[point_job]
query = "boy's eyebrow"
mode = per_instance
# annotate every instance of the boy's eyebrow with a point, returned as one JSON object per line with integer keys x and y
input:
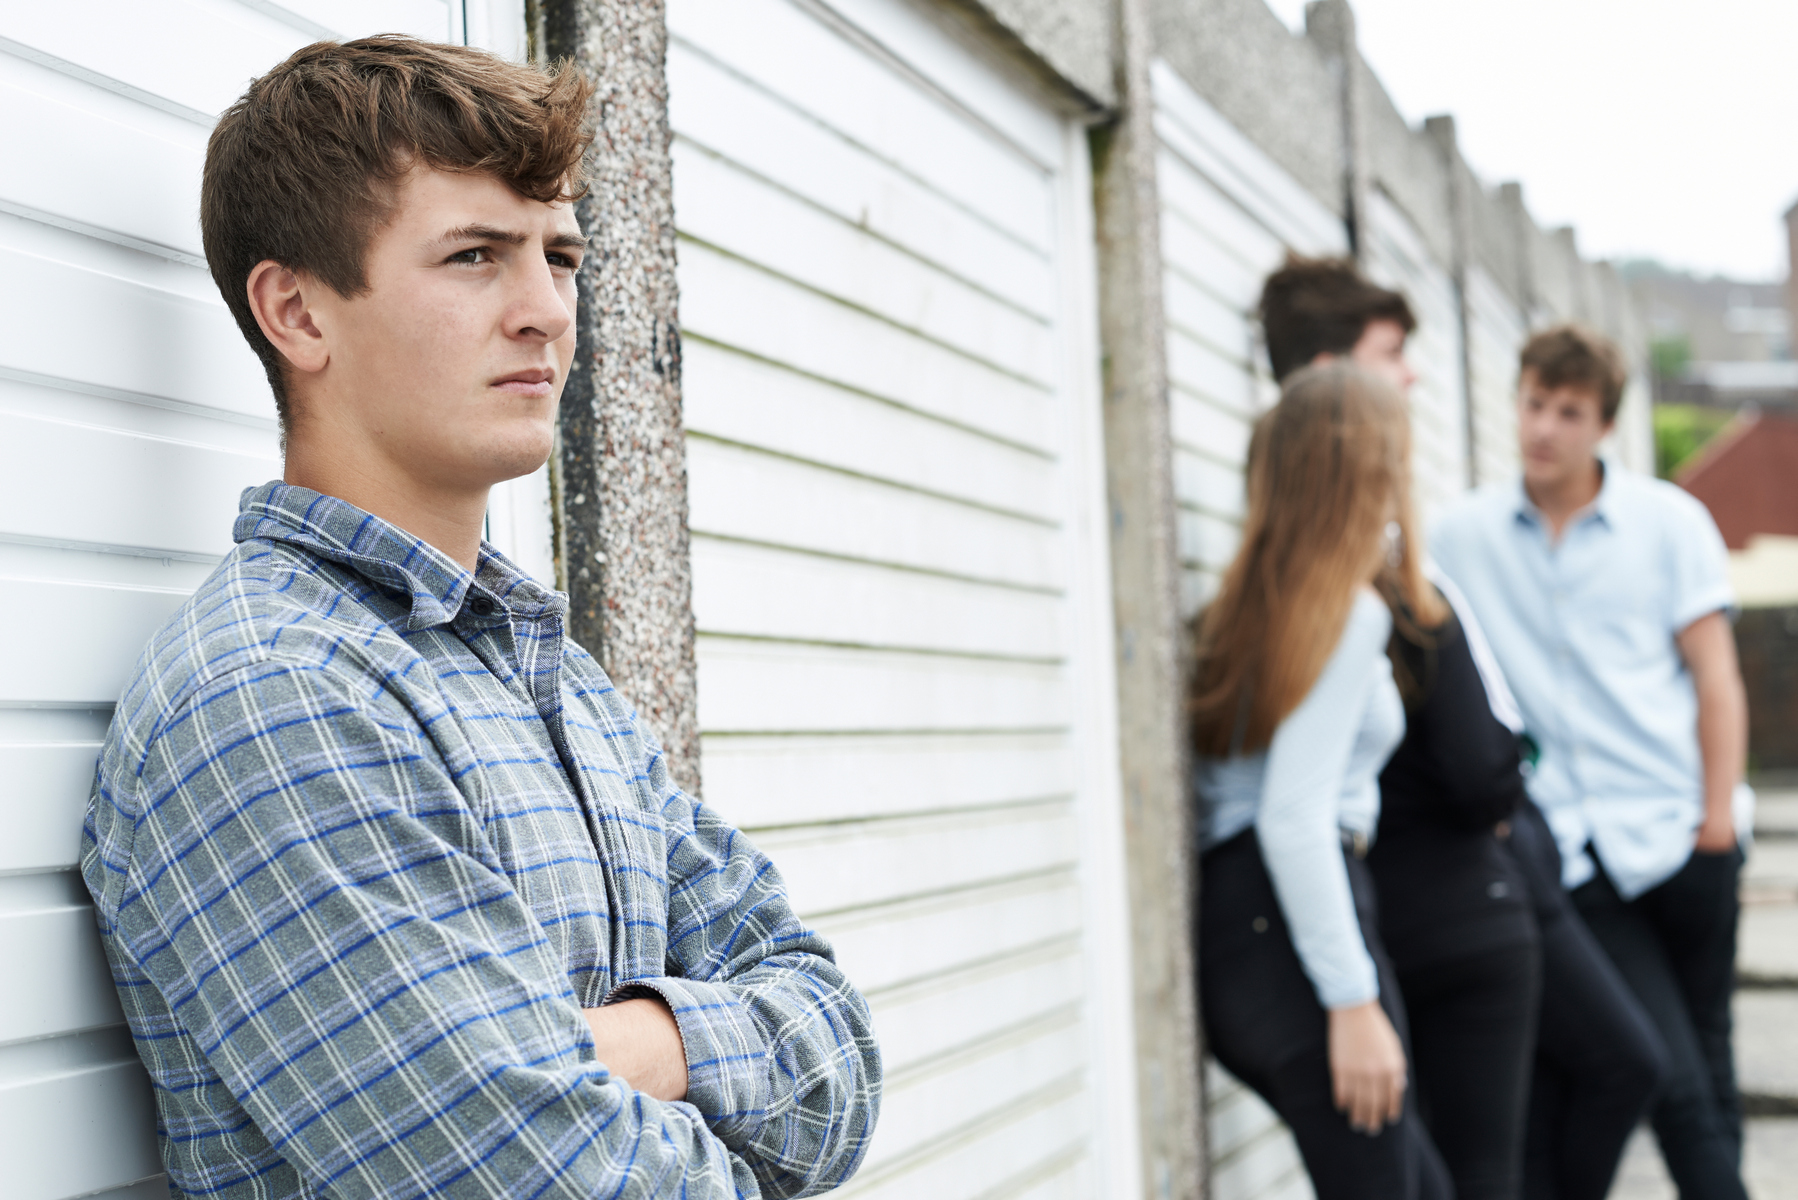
{"x": 509, "y": 237}
{"x": 485, "y": 233}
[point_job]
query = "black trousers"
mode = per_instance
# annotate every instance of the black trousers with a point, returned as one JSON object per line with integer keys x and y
{"x": 1675, "y": 945}
{"x": 1262, "y": 1021}
{"x": 1473, "y": 1026}
{"x": 1598, "y": 1057}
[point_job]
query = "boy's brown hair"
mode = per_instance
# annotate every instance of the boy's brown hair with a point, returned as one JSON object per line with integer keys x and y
{"x": 1314, "y": 306}
{"x": 1573, "y": 355}
{"x": 303, "y": 169}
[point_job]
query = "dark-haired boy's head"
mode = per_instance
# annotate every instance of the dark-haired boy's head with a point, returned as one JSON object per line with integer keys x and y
{"x": 309, "y": 164}
{"x": 1316, "y": 309}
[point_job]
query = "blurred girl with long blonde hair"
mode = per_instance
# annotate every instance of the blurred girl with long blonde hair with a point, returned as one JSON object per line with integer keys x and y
{"x": 1293, "y": 712}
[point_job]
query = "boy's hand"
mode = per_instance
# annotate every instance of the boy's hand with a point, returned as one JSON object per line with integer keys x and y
{"x": 1717, "y": 835}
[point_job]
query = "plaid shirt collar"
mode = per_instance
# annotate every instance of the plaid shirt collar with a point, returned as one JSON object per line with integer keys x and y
{"x": 439, "y": 590}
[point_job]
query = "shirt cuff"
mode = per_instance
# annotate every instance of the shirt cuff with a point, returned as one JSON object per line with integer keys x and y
{"x": 727, "y": 1056}
{"x": 1360, "y": 986}
{"x": 1714, "y": 599}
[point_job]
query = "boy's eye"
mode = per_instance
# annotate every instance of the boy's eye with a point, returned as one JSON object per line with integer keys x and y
{"x": 478, "y": 254}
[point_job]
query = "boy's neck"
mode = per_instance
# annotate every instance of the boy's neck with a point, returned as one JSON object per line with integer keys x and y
{"x": 1559, "y": 500}
{"x": 450, "y": 520}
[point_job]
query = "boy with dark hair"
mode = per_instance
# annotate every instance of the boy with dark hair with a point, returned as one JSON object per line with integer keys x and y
{"x": 1606, "y": 597}
{"x": 1320, "y": 309}
{"x": 398, "y": 896}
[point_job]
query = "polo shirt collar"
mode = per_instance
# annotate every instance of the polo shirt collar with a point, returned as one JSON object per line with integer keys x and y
{"x": 436, "y": 586}
{"x": 1603, "y": 506}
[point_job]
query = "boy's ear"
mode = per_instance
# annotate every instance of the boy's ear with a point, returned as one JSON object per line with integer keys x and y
{"x": 280, "y": 298}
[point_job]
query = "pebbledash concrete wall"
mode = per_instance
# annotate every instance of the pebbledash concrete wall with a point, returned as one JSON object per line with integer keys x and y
{"x": 1282, "y": 92}
{"x": 1309, "y": 102}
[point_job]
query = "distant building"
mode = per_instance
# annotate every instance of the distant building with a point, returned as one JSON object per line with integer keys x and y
{"x": 1748, "y": 478}
{"x": 1720, "y": 342}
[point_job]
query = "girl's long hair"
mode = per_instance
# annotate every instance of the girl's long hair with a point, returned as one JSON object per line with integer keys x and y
{"x": 1329, "y": 469}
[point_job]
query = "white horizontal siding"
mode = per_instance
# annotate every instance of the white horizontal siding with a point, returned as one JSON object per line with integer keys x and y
{"x": 798, "y": 779}
{"x": 1395, "y": 256}
{"x": 1496, "y": 334}
{"x": 886, "y": 510}
{"x": 126, "y": 437}
{"x": 1230, "y": 215}
{"x": 1253, "y": 1157}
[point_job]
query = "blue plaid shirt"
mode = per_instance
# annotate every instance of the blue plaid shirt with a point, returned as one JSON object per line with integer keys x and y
{"x": 368, "y": 833}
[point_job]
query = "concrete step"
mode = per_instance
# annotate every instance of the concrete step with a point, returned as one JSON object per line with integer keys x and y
{"x": 1766, "y": 1040}
{"x": 1768, "y": 948}
{"x": 1767, "y": 944}
{"x": 1776, "y": 812}
{"x": 1766, "y": 1014}
{"x": 1769, "y": 1163}
{"x": 1771, "y": 874}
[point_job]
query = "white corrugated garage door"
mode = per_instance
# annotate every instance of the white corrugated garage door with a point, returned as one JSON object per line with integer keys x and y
{"x": 900, "y": 582}
{"x": 131, "y": 415}
{"x": 1229, "y": 215}
{"x": 1395, "y": 256}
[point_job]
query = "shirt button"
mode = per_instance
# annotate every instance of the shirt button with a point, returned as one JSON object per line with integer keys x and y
{"x": 1259, "y": 924}
{"x": 480, "y": 606}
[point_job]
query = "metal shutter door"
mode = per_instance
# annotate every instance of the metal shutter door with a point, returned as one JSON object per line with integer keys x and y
{"x": 1396, "y": 257}
{"x": 896, "y": 493}
{"x": 131, "y": 415}
{"x": 1229, "y": 215}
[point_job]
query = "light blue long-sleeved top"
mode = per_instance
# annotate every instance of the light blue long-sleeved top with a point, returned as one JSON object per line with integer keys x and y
{"x": 1319, "y": 776}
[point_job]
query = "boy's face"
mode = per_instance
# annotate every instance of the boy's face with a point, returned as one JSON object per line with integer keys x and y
{"x": 1381, "y": 351}
{"x": 1558, "y": 430}
{"x": 449, "y": 367}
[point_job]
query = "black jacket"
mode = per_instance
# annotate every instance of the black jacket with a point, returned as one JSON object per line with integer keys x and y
{"x": 1446, "y": 886}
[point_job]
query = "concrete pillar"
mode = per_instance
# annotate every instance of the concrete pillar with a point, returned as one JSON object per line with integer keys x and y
{"x": 1149, "y": 647}
{"x": 1441, "y": 132}
{"x": 1579, "y": 296}
{"x": 622, "y": 470}
{"x": 1523, "y": 230}
{"x": 1330, "y": 24}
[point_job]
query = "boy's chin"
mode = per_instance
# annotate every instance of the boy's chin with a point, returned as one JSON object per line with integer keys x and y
{"x": 511, "y": 454}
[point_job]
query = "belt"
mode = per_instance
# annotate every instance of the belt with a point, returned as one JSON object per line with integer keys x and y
{"x": 1354, "y": 842}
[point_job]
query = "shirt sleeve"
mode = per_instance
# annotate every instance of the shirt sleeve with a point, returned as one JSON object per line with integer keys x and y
{"x": 1297, "y": 825}
{"x": 781, "y": 1054}
{"x": 1699, "y": 567}
{"x": 320, "y": 909}
{"x": 1499, "y": 696}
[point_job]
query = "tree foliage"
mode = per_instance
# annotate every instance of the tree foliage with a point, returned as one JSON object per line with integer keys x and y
{"x": 1681, "y": 430}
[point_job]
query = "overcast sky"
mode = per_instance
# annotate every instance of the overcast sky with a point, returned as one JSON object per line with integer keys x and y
{"x": 1657, "y": 128}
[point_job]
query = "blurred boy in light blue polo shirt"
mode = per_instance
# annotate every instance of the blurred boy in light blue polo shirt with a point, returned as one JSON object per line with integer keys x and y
{"x": 1606, "y": 600}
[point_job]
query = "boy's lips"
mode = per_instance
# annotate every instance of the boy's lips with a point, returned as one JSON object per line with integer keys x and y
{"x": 535, "y": 382}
